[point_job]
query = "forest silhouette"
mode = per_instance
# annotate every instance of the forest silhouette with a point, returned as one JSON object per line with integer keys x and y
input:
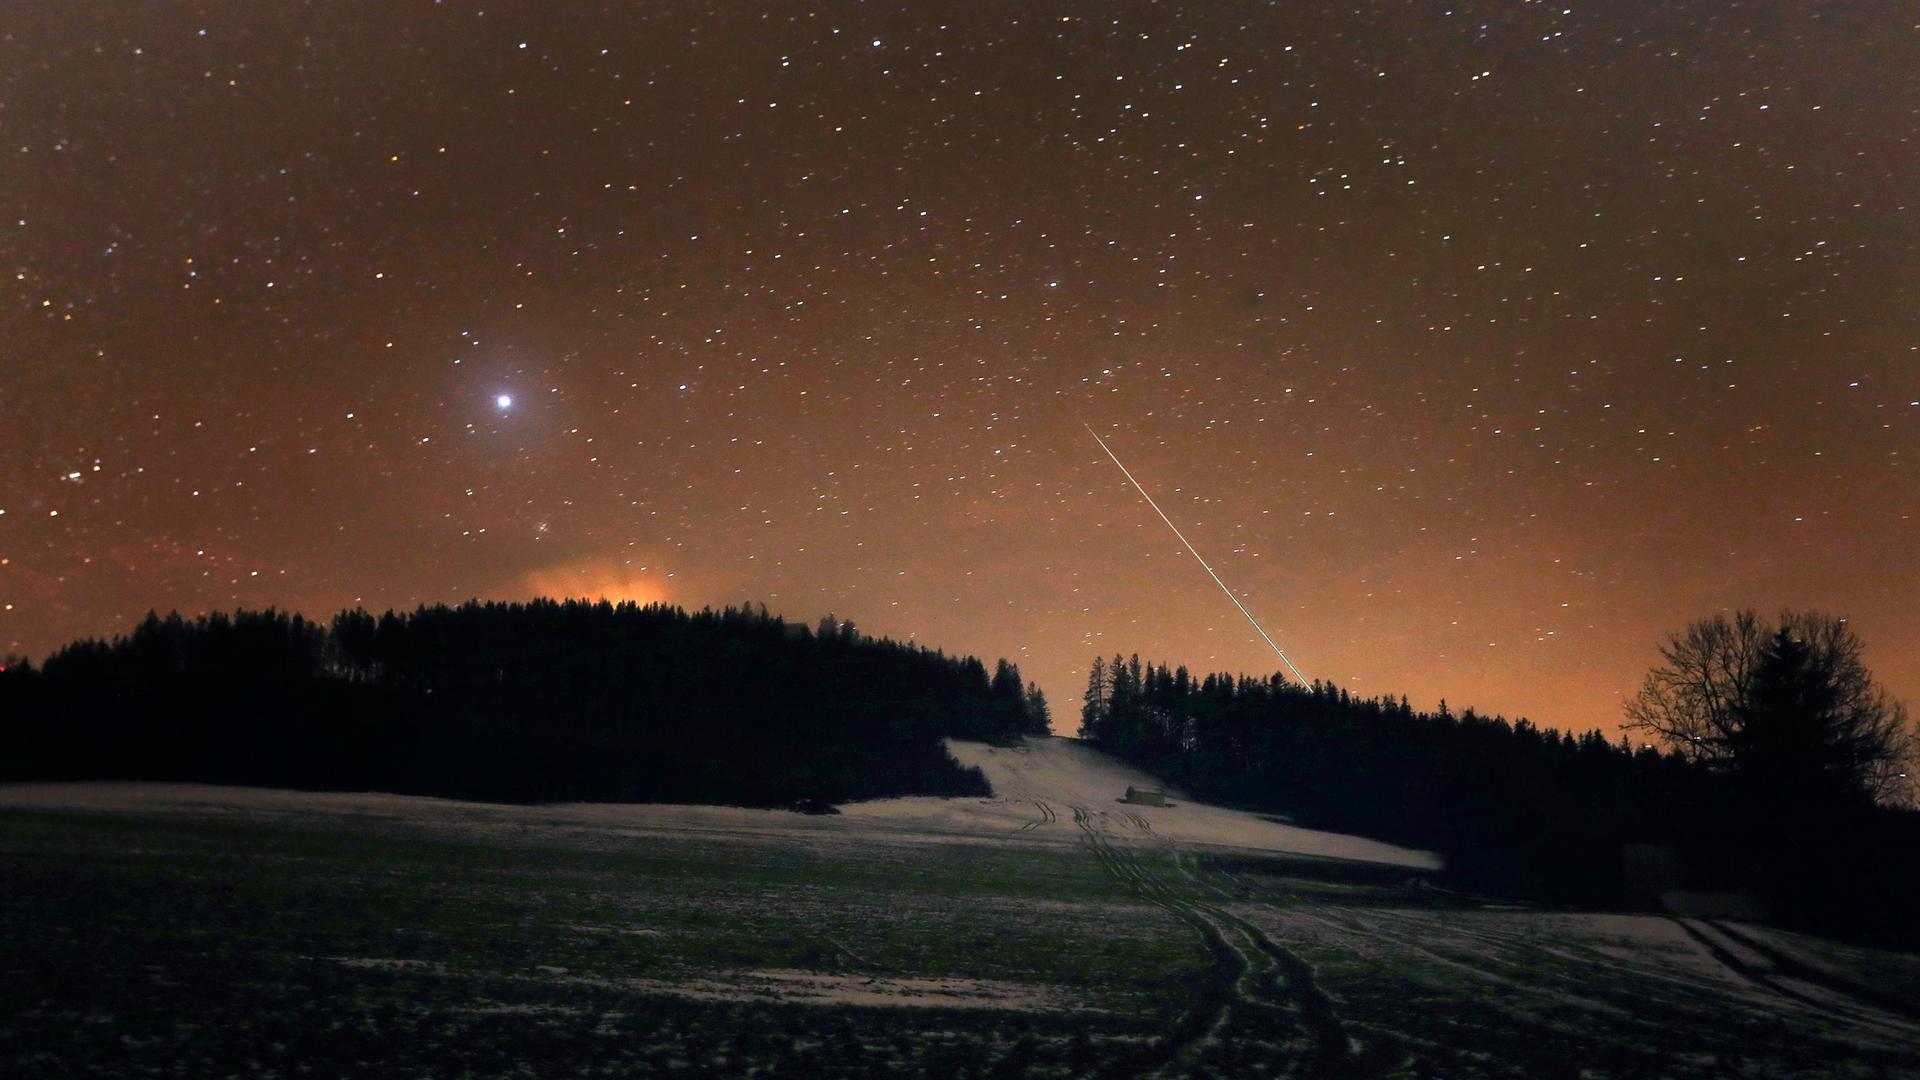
{"x": 543, "y": 701}
{"x": 583, "y": 701}
{"x": 1515, "y": 809}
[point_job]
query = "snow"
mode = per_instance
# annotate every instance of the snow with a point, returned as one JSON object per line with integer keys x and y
{"x": 1036, "y": 788}
{"x": 1038, "y": 784}
{"x": 1611, "y": 977}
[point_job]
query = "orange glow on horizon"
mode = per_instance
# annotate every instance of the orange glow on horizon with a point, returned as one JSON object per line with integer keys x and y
{"x": 614, "y": 580}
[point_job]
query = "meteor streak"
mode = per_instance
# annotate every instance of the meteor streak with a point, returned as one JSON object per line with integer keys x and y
{"x": 1196, "y": 555}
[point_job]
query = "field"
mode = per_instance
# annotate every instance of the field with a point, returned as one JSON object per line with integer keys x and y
{"x": 1050, "y": 931}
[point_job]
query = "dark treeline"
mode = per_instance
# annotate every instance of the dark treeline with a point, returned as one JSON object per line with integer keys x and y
{"x": 514, "y": 702}
{"x": 1515, "y": 809}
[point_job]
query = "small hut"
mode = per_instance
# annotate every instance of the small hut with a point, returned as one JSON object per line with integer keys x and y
{"x": 1146, "y": 796}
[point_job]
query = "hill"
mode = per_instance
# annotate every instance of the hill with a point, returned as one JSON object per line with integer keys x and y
{"x": 1045, "y": 788}
{"x": 1513, "y": 809}
{"x": 535, "y": 702}
{"x": 1046, "y": 931}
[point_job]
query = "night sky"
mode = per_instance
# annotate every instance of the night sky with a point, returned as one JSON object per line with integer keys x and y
{"x": 1475, "y": 345}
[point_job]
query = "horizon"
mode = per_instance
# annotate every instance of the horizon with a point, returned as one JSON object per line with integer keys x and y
{"x": 1064, "y": 721}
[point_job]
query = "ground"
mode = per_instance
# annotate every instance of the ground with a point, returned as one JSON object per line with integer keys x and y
{"x": 1049, "y": 931}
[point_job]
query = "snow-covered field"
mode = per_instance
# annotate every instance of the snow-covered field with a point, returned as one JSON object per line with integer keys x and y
{"x": 1033, "y": 786}
{"x": 1050, "y": 930}
{"x": 1037, "y": 785}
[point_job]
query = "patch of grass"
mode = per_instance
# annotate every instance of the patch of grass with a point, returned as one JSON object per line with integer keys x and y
{"x": 170, "y": 942}
{"x": 424, "y": 942}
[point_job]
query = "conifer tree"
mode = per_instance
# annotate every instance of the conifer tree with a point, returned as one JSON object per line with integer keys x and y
{"x": 1039, "y": 717}
{"x": 1093, "y": 706}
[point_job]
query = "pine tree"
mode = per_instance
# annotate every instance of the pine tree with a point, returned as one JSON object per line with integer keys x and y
{"x": 1008, "y": 707}
{"x": 1093, "y": 707}
{"x": 1095, "y": 704}
{"x": 1039, "y": 717}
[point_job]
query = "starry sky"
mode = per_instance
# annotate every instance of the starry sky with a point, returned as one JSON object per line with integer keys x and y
{"x": 1475, "y": 345}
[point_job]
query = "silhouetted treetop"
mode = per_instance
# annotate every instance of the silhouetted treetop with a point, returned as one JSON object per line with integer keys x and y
{"x": 533, "y": 701}
{"x": 1789, "y": 708}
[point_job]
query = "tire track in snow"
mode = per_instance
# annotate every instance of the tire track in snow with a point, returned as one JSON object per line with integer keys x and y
{"x": 1289, "y": 984}
{"x": 1792, "y": 968}
{"x": 1208, "y": 1013}
{"x": 1047, "y": 816}
{"x": 1747, "y": 971}
{"x": 1250, "y": 972}
{"x": 1850, "y": 1004}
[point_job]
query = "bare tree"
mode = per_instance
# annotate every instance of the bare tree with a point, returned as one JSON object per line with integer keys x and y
{"x": 1791, "y": 707}
{"x": 1694, "y": 700}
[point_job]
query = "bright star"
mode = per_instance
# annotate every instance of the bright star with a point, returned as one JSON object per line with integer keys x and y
{"x": 505, "y": 401}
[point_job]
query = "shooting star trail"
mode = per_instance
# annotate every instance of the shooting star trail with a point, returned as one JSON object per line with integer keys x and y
{"x": 1196, "y": 555}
